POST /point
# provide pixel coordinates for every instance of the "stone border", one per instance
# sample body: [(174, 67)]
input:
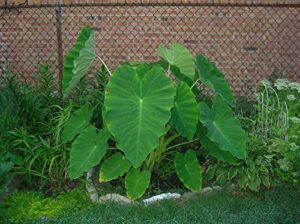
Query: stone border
[(117, 198)]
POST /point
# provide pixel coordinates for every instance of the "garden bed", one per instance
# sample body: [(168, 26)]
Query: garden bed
[(142, 130)]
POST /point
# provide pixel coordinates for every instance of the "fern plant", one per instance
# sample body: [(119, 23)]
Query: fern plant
[(146, 107)]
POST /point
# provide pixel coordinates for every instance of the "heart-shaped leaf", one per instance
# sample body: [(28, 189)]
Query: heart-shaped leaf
[(114, 167), (87, 151), (188, 170), (185, 112), (138, 108), (78, 121), (179, 56), (223, 128), (141, 68), (212, 148), (78, 60), (213, 78), (136, 183)]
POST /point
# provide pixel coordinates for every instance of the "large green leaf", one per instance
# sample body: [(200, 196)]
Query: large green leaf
[(140, 67), (179, 56), (138, 108), (78, 121), (223, 128), (188, 170), (185, 112), (213, 78), (185, 79), (87, 151), (78, 60), (114, 167), (213, 148), (136, 183)]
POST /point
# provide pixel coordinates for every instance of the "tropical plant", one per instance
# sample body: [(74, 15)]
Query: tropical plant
[(146, 107)]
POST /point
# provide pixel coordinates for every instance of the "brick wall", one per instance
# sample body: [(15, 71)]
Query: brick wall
[(247, 43), (132, 2)]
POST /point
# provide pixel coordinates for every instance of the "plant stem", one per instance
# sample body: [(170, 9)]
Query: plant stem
[(183, 143), (112, 148), (109, 72), (169, 70), (194, 83)]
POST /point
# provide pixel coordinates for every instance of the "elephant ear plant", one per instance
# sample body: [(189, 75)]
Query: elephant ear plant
[(147, 106)]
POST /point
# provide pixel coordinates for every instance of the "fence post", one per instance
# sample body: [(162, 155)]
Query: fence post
[(59, 45)]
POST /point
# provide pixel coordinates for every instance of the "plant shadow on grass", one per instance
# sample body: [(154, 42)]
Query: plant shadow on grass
[(280, 205)]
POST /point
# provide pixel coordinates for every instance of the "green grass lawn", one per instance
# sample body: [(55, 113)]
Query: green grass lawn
[(280, 205)]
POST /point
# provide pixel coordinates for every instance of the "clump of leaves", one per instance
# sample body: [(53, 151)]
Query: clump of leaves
[(31, 122), (8, 161), (146, 107), (256, 171), (273, 141)]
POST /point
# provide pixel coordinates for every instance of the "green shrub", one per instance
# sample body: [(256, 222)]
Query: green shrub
[(8, 161), (273, 141), (32, 116), (256, 171)]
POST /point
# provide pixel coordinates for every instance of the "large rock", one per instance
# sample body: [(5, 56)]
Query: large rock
[(157, 198)]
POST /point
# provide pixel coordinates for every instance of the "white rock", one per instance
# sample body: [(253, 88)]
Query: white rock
[(189, 196), (160, 197), (209, 189), (114, 198)]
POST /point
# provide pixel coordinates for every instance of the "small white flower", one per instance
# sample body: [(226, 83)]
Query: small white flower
[(281, 84), (295, 86), (291, 97), (293, 146), (295, 120)]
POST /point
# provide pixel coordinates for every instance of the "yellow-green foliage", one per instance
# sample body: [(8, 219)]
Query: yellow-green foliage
[(22, 206)]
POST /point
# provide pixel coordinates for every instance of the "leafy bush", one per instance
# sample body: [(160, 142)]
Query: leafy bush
[(254, 172), (146, 107), (28, 123), (23, 107), (32, 118), (273, 141), (287, 145), (8, 161), (28, 106)]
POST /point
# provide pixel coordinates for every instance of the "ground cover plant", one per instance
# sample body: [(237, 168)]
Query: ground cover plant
[(24, 205)]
